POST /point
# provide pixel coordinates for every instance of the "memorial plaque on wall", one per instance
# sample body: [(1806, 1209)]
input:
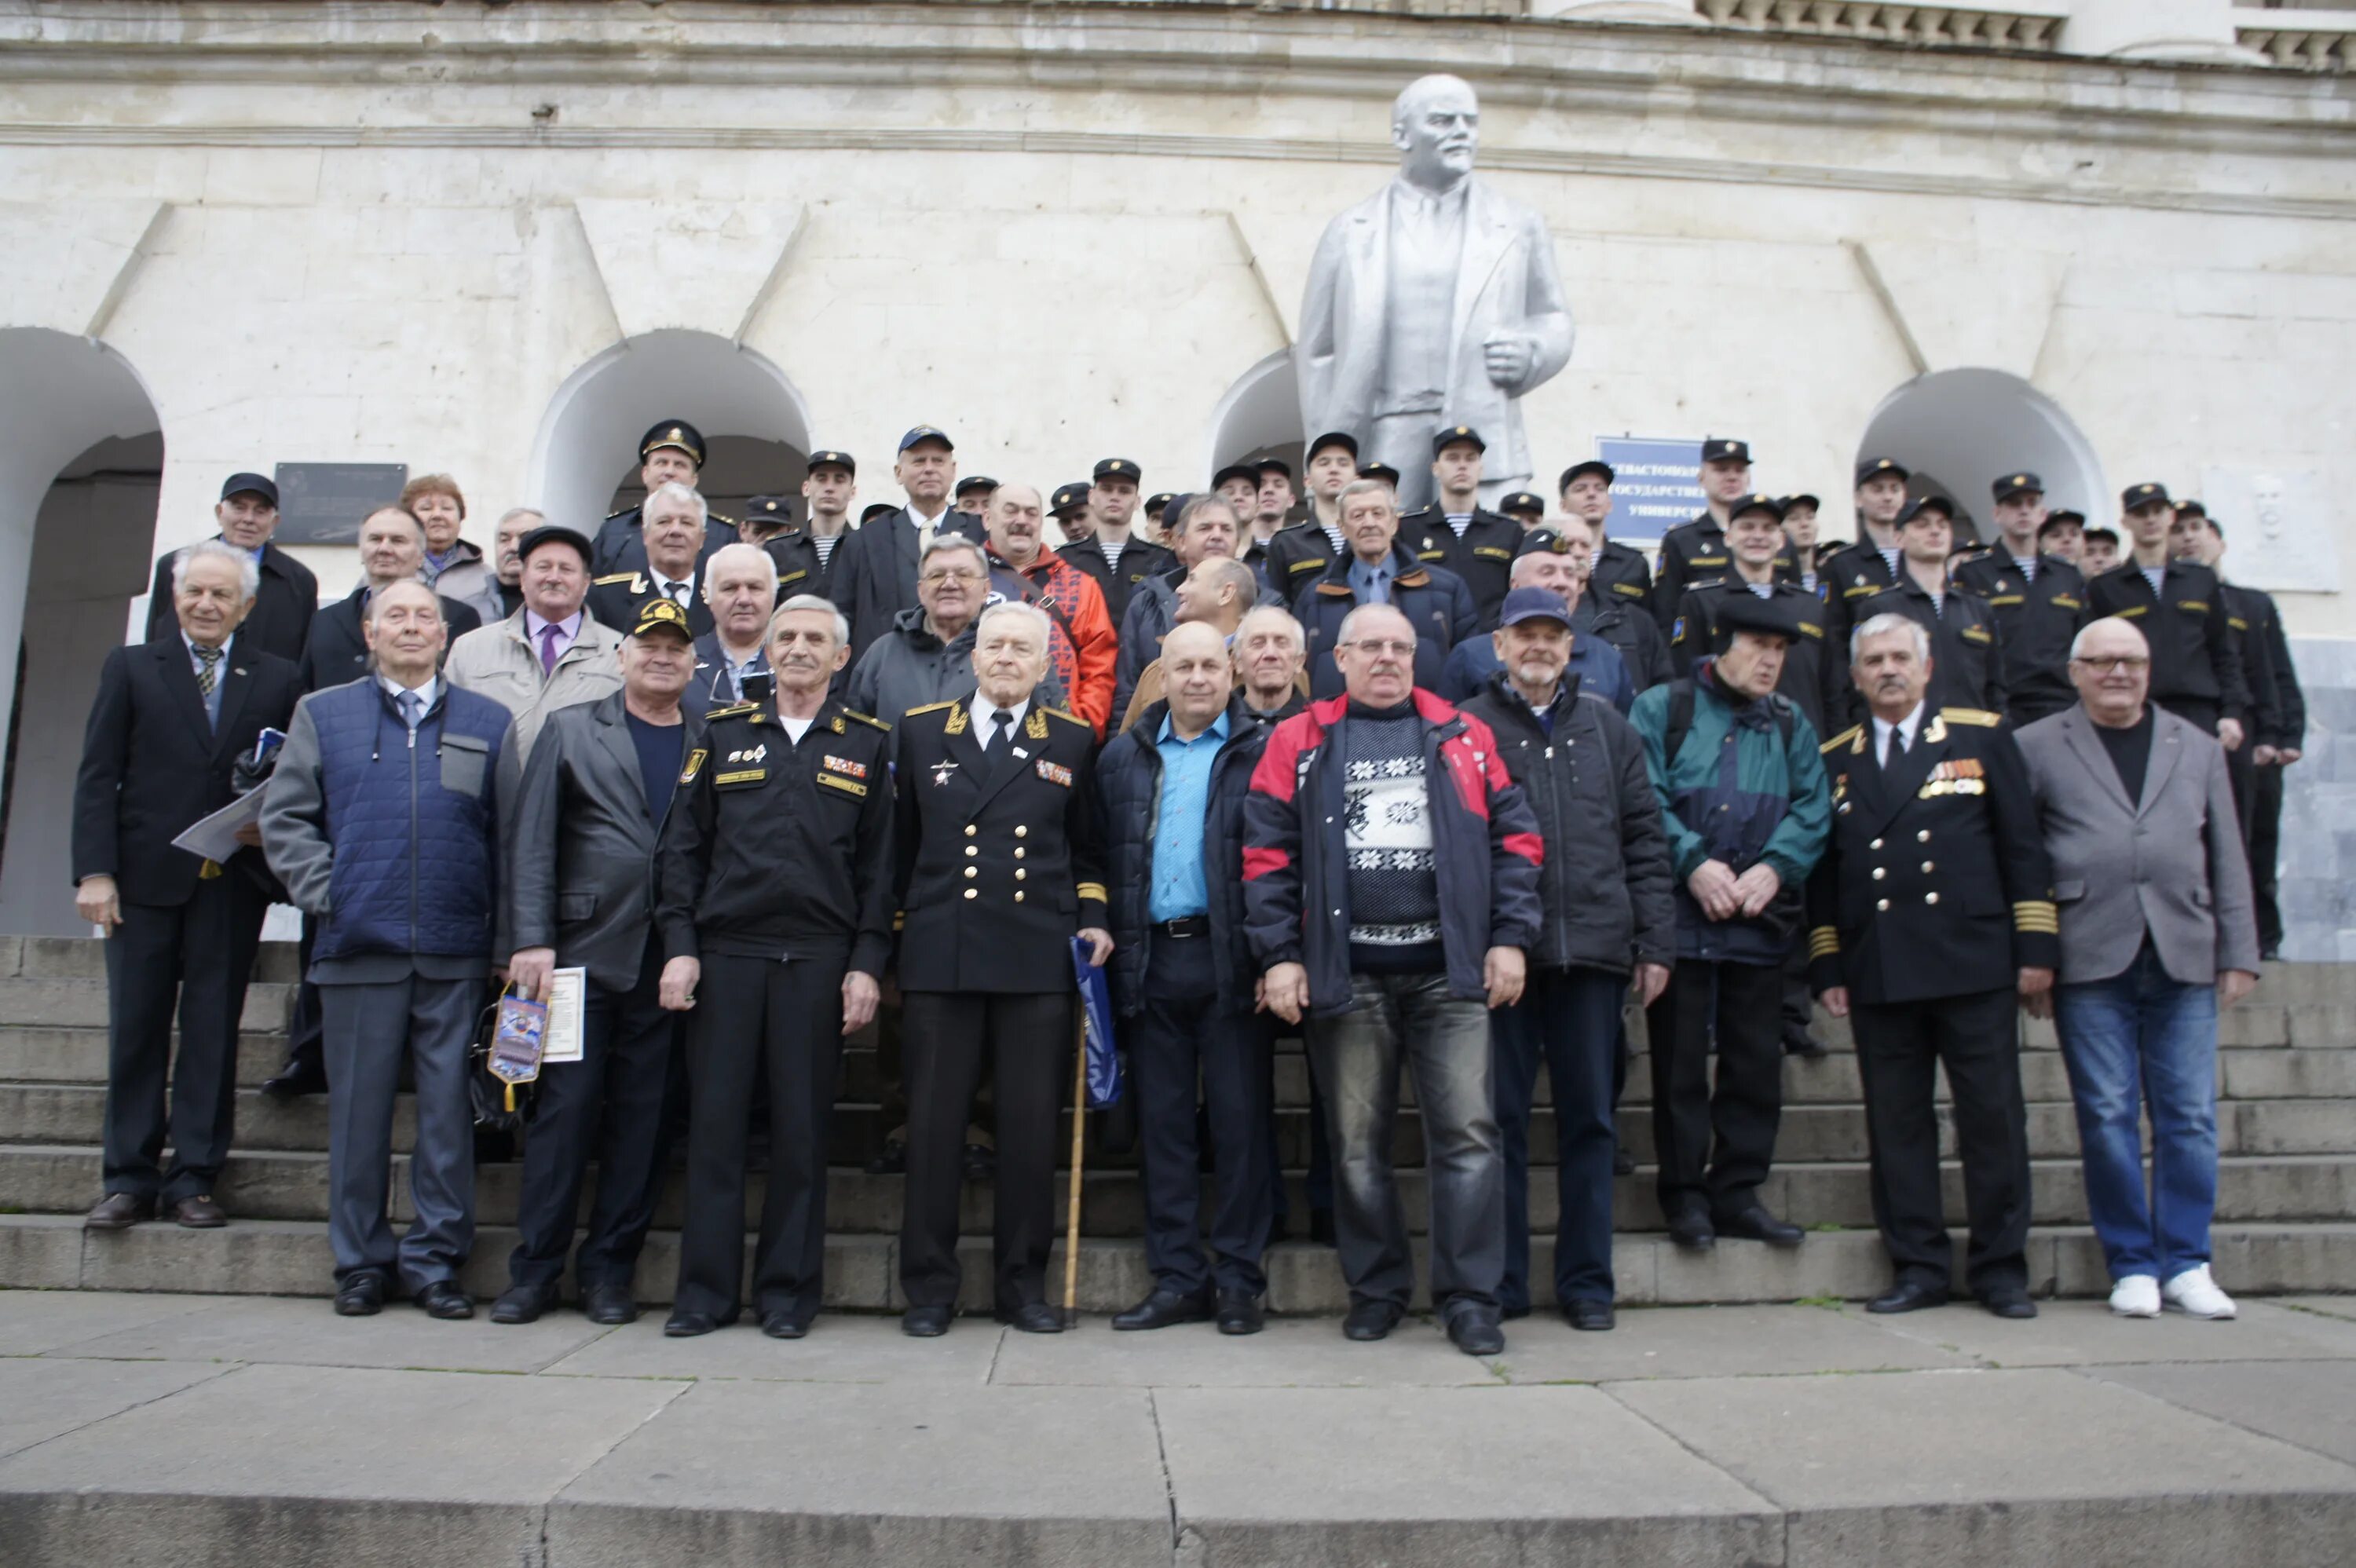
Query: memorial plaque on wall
[(323, 503), (2277, 529), (1658, 485)]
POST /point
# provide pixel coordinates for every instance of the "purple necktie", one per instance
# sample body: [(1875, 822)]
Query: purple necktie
[(548, 635)]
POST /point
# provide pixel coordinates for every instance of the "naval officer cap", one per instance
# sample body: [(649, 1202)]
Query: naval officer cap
[(1382, 471), (1341, 438), (2019, 482), (1880, 468), (1456, 434), (2136, 498), (1243, 471), (878, 509), (828, 457), (1069, 498), (972, 481), (1757, 501), (661, 614), (1595, 465), (768, 511), (677, 434), (1114, 468), (1267, 466), (1521, 503), (1801, 499), (1929, 506), (1725, 449)]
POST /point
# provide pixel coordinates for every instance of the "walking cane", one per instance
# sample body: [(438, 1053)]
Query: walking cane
[(1080, 1141)]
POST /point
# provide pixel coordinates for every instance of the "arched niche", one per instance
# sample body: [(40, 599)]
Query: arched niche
[(1959, 429)]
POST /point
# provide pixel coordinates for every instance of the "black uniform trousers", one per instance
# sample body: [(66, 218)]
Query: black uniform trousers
[(786, 1015), (608, 1105), (1714, 1142), (1318, 1180), (1899, 1046), (1569, 1019), (193, 958), (2265, 857), (1187, 1032), (945, 1036)]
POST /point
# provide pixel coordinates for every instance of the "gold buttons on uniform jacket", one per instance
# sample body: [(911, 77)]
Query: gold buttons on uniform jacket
[(1930, 898), (1018, 898), (973, 871), (1924, 836), (973, 892), (1018, 854), (970, 830), (1877, 904), (1018, 873), (1926, 868), (1021, 832), (972, 849), (1874, 845), (1879, 873)]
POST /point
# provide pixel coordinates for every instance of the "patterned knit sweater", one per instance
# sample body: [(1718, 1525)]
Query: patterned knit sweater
[(1394, 891)]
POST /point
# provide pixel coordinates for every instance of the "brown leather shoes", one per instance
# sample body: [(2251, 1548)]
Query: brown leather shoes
[(199, 1212), (119, 1211)]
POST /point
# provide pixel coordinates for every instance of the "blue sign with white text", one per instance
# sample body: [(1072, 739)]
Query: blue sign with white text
[(1658, 485)]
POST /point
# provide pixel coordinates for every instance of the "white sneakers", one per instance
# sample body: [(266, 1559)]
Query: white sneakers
[(2192, 1293), (2195, 1294)]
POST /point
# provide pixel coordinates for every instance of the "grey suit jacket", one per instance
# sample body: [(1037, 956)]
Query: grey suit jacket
[(581, 877), (2170, 864)]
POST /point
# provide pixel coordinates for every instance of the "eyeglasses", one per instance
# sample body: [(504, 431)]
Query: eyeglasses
[(1379, 647), (967, 576), (2132, 664)]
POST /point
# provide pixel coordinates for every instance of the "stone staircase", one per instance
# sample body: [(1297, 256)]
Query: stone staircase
[(2286, 1222)]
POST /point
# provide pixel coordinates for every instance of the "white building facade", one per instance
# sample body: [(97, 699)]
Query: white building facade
[(2107, 240)]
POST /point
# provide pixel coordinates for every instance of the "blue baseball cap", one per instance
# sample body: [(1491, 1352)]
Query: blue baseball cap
[(1533, 604), (926, 432)]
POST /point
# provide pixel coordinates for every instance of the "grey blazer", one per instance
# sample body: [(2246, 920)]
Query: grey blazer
[(581, 875), (2171, 864)]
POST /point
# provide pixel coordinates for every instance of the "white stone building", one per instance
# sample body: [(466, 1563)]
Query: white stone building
[(2110, 240)]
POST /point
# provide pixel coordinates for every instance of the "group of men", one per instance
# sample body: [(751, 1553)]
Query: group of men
[(1443, 791)]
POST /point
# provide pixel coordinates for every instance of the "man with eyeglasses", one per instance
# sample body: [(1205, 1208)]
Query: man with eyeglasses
[(2158, 933), (1390, 886)]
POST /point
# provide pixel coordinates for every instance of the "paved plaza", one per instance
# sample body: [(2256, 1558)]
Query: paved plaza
[(142, 1428)]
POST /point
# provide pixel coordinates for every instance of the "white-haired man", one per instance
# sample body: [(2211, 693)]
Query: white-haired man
[(731, 660), (671, 530)]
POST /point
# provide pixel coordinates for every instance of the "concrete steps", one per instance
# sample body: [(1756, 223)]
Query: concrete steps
[(2287, 1123)]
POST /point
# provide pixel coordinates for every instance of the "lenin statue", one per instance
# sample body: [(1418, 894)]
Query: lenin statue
[(1434, 302)]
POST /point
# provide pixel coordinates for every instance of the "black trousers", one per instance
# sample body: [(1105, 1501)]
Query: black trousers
[(1715, 1143), (608, 1106), (1569, 1020), (2242, 774), (194, 959), (1186, 1031), (1898, 1049), (303, 1050), (786, 1014), (946, 1035), (2265, 853)]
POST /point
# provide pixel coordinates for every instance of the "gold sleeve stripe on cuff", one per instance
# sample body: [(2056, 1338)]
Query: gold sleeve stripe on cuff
[(1093, 890), (1822, 941)]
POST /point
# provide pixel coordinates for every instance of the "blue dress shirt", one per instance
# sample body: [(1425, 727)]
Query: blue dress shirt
[(1179, 889)]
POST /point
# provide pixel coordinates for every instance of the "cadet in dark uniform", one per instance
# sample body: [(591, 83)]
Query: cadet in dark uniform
[(2037, 599), (765, 516), (999, 867), (1696, 551), (1383, 473), (1155, 504), (670, 567), (1966, 650), (1858, 572), (1931, 916), (1755, 537), (672, 451), (972, 495), (1523, 506), (1620, 572), (1298, 555), (805, 555), (1456, 532), (2180, 608), (774, 901), (1117, 559)]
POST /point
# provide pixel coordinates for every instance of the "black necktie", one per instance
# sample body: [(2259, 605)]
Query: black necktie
[(1001, 740), (1897, 748)]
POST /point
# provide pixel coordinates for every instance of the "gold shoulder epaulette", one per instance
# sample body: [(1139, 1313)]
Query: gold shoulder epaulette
[(733, 710), (1979, 715), (1842, 739), (617, 577), (930, 708), (868, 718), (721, 518), (1067, 717), (625, 511)]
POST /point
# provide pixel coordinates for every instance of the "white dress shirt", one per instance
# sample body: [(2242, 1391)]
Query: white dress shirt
[(985, 718), (1907, 727)]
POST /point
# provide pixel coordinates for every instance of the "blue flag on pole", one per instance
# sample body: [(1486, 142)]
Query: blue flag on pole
[(1095, 1013)]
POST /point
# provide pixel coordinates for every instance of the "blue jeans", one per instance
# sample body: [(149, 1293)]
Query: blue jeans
[(2142, 1037)]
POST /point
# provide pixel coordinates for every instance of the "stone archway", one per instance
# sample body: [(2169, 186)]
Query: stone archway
[(1259, 417), (1958, 430), (80, 463), (756, 425)]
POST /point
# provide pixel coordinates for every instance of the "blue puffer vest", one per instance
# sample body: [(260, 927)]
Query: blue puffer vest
[(414, 827)]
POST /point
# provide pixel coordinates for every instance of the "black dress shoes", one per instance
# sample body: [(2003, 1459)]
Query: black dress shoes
[(444, 1300), (792, 1324), (1033, 1318), (2008, 1301), (199, 1212), (611, 1305), (892, 1160), (118, 1212), (523, 1303), (1689, 1228), (360, 1295), (1239, 1314), (1622, 1162), (297, 1080), (1476, 1331), (1755, 1224), (926, 1322), (1588, 1317), (1371, 1319), (1162, 1309), (683, 1324), (1908, 1296), (981, 1162)]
